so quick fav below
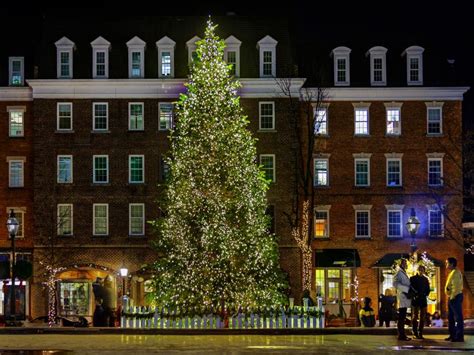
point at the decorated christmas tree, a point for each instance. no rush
(213, 241)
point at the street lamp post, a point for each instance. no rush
(123, 273)
(12, 227)
(412, 225)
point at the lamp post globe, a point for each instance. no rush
(12, 228)
(413, 225)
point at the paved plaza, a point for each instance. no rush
(227, 344)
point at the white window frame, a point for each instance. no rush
(136, 45)
(191, 45)
(358, 209)
(94, 232)
(434, 106)
(169, 125)
(59, 216)
(344, 54)
(64, 45)
(100, 44)
(325, 209)
(94, 181)
(361, 159)
(142, 104)
(267, 44)
(274, 164)
(130, 168)
(57, 117)
(390, 158)
(12, 160)
(260, 104)
(393, 106)
(414, 52)
(361, 107)
(436, 208)
(18, 211)
(316, 110)
(320, 158)
(378, 53)
(398, 210)
(233, 45)
(58, 170)
(106, 129)
(10, 70)
(10, 110)
(165, 44)
(130, 219)
(435, 157)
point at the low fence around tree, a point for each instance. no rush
(270, 318)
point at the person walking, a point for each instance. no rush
(366, 314)
(387, 308)
(401, 282)
(419, 303)
(453, 290)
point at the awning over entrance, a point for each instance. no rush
(336, 258)
(389, 259)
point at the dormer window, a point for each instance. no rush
(191, 45)
(165, 48)
(136, 58)
(341, 66)
(64, 48)
(16, 71)
(232, 54)
(414, 56)
(378, 66)
(100, 58)
(267, 55)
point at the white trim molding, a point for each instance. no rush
(16, 94)
(267, 44)
(165, 45)
(378, 53)
(341, 53)
(232, 44)
(11, 72)
(100, 45)
(136, 45)
(191, 46)
(416, 53)
(64, 45)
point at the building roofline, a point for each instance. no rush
(16, 94)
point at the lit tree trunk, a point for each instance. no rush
(302, 238)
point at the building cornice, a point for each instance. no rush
(15, 94)
(146, 88)
(394, 93)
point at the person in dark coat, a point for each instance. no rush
(366, 314)
(99, 317)
(421, 285)
(387, 308)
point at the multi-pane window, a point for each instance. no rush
(321, 121)
(166, 115)
(16, 173)
(434, 120)
(394, 172)
(135, 117)
(232, 60)
(136, 64)
(164, 169)
(321, 224)
(101, 218)
(267, 115)
(165, 63)
(101, 169)
(435, 172)
(16, 123)
(136, 219)
(64, 169)
(101, 114)
(334, 285)
(267, 63)
(393, 121)
(64, 219)
(321, 172)
(361, 121)
(436, 223)
(394, 224)
(136, 165)
(268, 166)
(341, 70)
(362, 224)
(362, 172)
(414, 69)
(16, 71)
(65, 64)
(100, 63)
(378, 70)
(20, 217)
(64, 117)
